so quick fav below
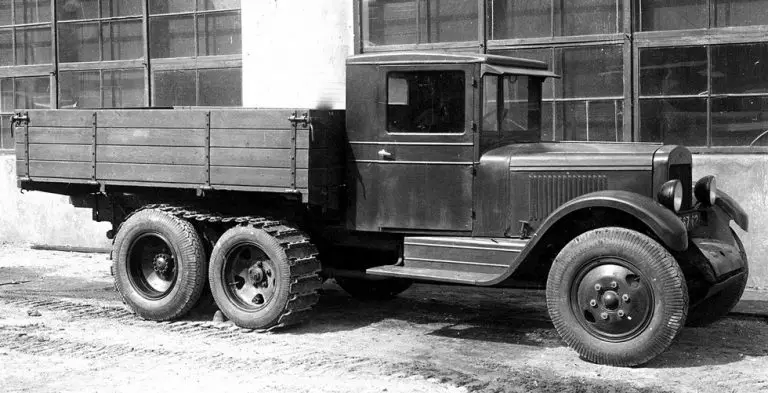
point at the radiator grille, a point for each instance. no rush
(548, 192)
(682, 172)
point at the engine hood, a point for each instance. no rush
(564, 156)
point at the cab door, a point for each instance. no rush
(414, 161)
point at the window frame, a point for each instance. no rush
(501, 88)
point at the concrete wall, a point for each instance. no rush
(41, 218)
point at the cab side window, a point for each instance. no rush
(426, 102)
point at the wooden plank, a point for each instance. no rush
(151, 136)
(252, 118)
(257, 177)
(63, 135)
(61, 118)
(60, 169)
(21, 168)
(148, 118)
(48, 152)
(266, 158)
(150, 155)
(151, 173)
(270, 139)
(21, 154)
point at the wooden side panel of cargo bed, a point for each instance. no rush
(151, 146)
(60, 145)
(254, 148)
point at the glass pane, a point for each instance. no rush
(740, 68)
(32, 11)
(6, 95)
(6, 140)
(122, 88)
(673, 15)
(739, 121)
(32, 93)
(490, 103)
(606, 120)
(168, 6)
(522, 105)
(174, 88)
(449, 21)
(33, 45)
(172, 36)
(587, 17)
(573, 117)
(110, 8)
(219, 34)
(590, 72)
(6, 47)
(679, 121)
(547, 133)
(78, 42)
(520, 18)
(544, 55)
(5, 12)
(221, 87)
(389, 22)
(77, 9)
(740, 12)
(122, 40)
(673, 71)
(435, 103)
(218, 4)
(79, 89)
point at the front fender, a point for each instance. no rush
(732, 209)
(661, 221)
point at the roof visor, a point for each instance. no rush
(499, 69)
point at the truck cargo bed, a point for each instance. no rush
(217, 149)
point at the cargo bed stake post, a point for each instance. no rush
(93, 149)
(207, 150)
(22, 118)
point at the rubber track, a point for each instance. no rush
(302, 254)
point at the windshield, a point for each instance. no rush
(512, 107)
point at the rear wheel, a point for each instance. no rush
(261, 278)
(159, 265)
(616, 296)
(721, 303)
(374, 289)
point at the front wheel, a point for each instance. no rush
(616, 296)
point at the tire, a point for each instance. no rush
(721, 303)
(586, 299)
(159, 265)
(264, 278)
(385, 289)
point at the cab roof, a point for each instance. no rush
(408, 58)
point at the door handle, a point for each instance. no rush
(383, 154)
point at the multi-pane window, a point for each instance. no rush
(400, 22)
(201, 87)
(656, 15)
(119, 88)
(99, 30)
(21, 93)
(705, 95)
(587, 104)
(188, 29)
(25, 32)
(514, 19)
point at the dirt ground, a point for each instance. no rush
(430, 339)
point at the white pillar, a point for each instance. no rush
(294, 53)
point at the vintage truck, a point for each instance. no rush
(435, 172)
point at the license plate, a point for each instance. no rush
(693, 219)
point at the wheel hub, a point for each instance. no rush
(611, 300)
(248, 272)
(163, 264)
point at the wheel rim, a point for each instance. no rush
(249, 277)
(612, 300)
(152, 265)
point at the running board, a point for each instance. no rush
(462, 260)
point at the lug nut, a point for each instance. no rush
(620, 313)
(614, 285)
(593, 303)
(625, 298)
(598, 287)
(604, 315)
